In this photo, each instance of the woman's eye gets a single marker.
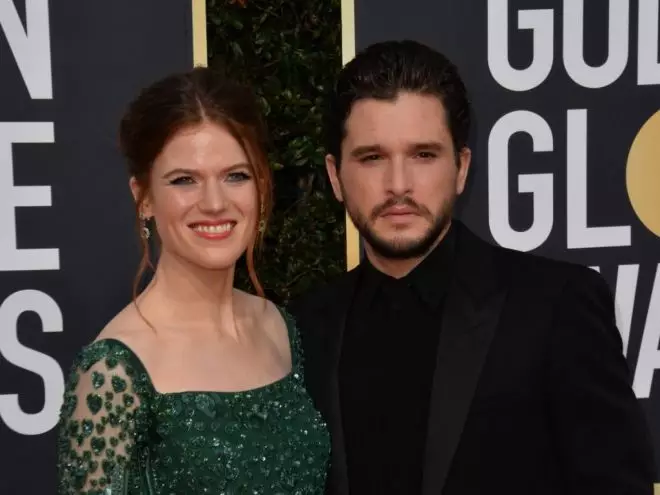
(238, 177)
(183, 180)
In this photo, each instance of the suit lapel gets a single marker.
(470, 318)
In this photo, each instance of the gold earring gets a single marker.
(144, 231)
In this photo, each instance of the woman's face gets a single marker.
(203, 197)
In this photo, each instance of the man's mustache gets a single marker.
(399, 201)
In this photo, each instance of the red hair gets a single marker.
(184, 100)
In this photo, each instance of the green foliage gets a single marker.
(290, 52)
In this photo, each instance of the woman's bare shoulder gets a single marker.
(127, 326)
(264, 315)
(258, 307)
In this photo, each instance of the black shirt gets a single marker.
(385, 373)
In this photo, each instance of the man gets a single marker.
(442, 364)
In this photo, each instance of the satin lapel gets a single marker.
(470, 318)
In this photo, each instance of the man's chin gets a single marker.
(399, 243)
(402, 223)
(400, 235)
(397, 247)
(402, 243)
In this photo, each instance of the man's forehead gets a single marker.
(403, 99)
(372, 114)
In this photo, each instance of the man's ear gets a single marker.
(333, 175)
(464, 161)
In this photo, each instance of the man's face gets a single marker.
(399, 175)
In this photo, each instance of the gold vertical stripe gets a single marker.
(352, 245)
(347, 54)
(656, 490)
(347, 31)
(200, 53)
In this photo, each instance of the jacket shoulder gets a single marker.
(324, 295)
(535, 269)
(531, 269)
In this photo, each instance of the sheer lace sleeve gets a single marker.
(101, 419)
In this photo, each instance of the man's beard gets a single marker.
(400, 248)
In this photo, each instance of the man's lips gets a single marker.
(398, 211)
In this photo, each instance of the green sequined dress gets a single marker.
(118, 435)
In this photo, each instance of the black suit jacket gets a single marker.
(531, 393)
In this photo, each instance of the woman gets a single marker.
(195, 387)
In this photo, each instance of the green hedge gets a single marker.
(290, 52)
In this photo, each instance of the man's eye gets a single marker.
(369, 158)
(426, 155)
(183, 180)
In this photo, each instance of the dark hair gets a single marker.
(382, 71)
(189, 99)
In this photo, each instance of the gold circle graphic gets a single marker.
(643, 174)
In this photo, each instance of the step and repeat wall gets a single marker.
(68, 250)
(566, 145)
(566, 164)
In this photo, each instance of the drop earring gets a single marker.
(144, 229)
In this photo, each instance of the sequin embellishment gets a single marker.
(118, 435)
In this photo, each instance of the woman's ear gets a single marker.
(140, 196)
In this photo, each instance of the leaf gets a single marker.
(290, 52)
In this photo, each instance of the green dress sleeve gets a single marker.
(101, 420)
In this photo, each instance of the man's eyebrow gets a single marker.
(366, 149)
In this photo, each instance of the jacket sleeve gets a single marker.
(599, 426)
